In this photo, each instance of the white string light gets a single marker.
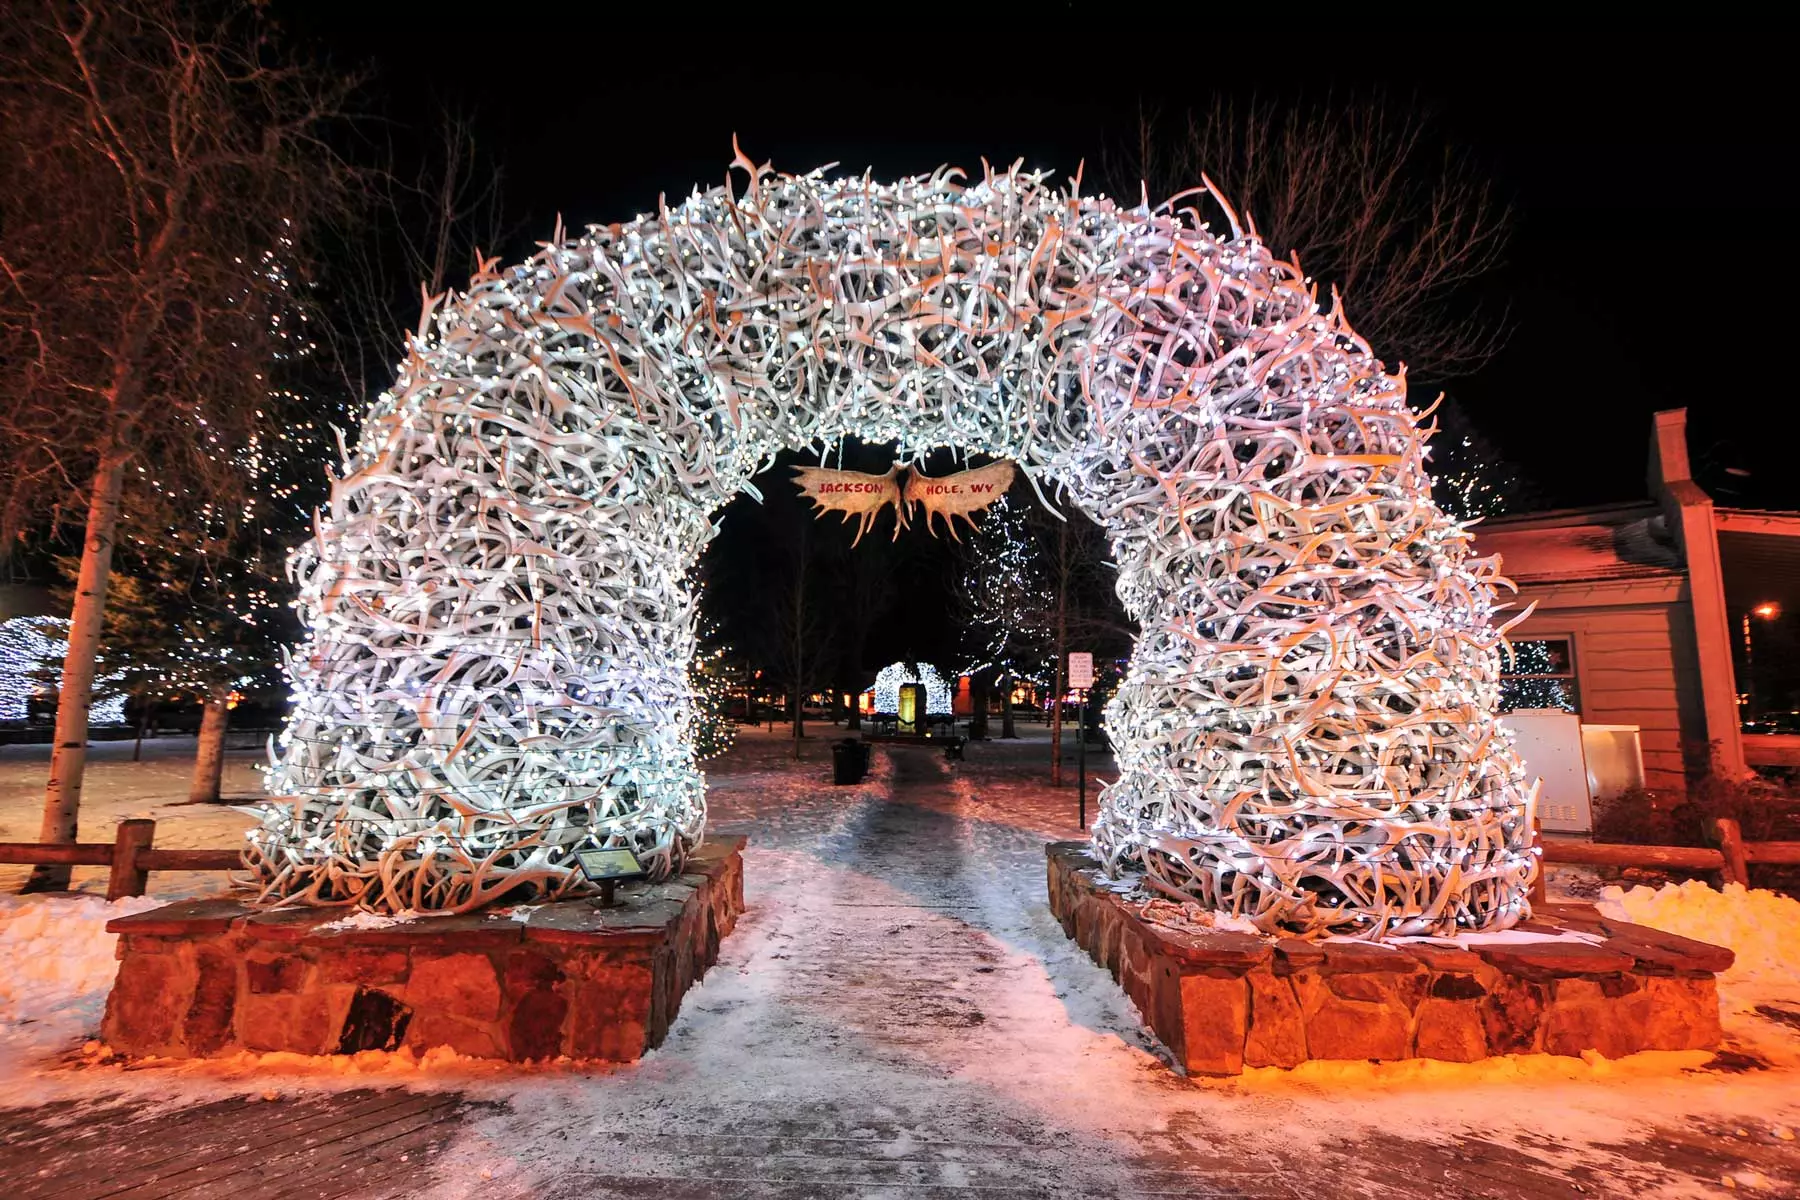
(500, 622)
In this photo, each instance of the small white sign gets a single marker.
(1081, 671)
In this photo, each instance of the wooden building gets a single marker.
(1641, 610)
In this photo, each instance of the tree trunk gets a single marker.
(209, 759)
(978, 706)
(143, 723)
(799, 717)
(1007, 728)
(68, 757)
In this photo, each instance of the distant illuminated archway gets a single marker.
(500, 625)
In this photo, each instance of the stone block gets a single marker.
(149, 999)
(363, 966)
(1513, 1015)
(464, 986)
(1394, 989)
(1450, 1029)
(207, 1027)
(305, 1023)
(535, 1028)
(1363, 958)
(1680, 954)
(1277, 1035)
(185, 919)
(429, 1030)
(577, 923)
(1215, 1011)
(468, 931)
(1446, 959)
(1680, 1013)
(1295, 954)
(1581, 1016)
(1226, 949)
(1338, 1027)
(266, 973)
(1543, 961)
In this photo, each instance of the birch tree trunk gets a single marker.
(68, 756)
(209, 758)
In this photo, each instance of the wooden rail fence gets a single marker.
(131, 857)
(1731, 858)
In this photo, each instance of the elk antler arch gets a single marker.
(500, 624)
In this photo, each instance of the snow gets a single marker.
(116, 788)
(59, 966)
(898, 1006)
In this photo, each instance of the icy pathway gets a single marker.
(899, 1016)
(878, 1031)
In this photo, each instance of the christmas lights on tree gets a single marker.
(31, 657)
(497, 672)
(1006, 599)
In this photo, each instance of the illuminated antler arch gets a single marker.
(500, 626)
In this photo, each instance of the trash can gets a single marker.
(848, 762)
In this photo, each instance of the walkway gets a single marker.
(898, 1016)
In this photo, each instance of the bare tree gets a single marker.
(1084, 610)
(435, 207)
(1400, 223)
(163, 168)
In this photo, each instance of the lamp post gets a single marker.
(1768, 612)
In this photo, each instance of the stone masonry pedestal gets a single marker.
(1222, 1001)
(570, 979)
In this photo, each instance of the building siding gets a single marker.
(1633, 666)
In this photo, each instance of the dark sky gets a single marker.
(1654, 238)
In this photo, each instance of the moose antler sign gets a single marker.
(863, 496)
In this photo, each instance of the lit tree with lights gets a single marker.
(710, 675)
(1472, 478)
(1006, 604)
(156, 152)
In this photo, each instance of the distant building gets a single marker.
(1645, 613)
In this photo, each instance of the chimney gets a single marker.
(1668, 451)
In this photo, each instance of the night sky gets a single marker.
(1653, 244)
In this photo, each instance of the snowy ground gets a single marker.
(116, 788)
(899, 1015)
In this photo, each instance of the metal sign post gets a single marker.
(1081, 678)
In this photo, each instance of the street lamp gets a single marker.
(1768, 611)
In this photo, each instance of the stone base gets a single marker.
(215, 977)
(1223, 1001)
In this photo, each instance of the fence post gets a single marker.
(127, 878)
(1731, 848)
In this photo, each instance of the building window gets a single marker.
(1539, 674)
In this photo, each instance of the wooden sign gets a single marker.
(863, 496)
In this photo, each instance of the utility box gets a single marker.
(1550, 742)
(1615, 760)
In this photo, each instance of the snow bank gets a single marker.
(56, 966)
(1761, 927)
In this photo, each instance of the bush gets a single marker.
(1764, 809)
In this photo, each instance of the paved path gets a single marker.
(896, 1016)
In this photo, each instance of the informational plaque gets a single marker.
(1081, 671)
(601, 865)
